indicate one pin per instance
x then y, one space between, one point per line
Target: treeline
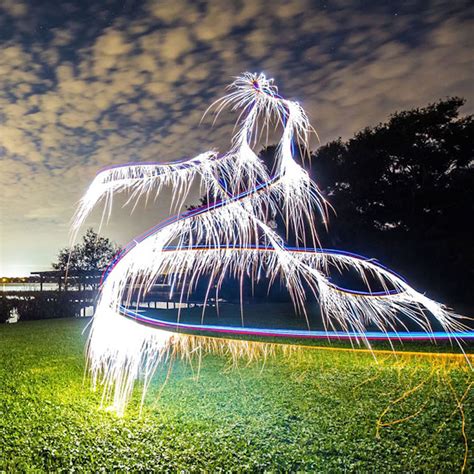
402 192
49 305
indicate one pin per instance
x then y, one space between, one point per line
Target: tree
402 192
93 253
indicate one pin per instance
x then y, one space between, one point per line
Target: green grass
317 410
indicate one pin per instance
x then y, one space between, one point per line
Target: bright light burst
231 235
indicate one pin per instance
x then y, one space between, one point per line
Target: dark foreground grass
316 410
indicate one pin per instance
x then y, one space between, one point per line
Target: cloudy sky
87 84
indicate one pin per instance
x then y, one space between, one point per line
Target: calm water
27 286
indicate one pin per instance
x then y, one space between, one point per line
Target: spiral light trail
231 235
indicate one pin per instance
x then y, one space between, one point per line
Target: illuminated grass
317 410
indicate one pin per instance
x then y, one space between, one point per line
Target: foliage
5 309
317 411
402 193
93 253
48 305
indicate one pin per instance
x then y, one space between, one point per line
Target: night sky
88 84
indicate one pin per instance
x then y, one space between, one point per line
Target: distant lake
27 286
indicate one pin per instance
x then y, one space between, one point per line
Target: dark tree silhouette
93 253
402 192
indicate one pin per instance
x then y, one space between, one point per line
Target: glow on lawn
231 236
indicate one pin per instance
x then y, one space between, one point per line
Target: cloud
111 43
175 43
97 89
14 8
16 143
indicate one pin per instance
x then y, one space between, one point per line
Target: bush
54 305
6 307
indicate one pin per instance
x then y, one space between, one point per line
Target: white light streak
232 236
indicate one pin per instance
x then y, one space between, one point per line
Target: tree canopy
402 191
92 253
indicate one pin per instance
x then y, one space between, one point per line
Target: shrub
54 305
6 307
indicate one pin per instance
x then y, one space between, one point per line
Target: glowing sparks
231 235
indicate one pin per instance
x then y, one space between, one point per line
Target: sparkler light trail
289 333
231 235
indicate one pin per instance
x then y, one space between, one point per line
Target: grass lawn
317 410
